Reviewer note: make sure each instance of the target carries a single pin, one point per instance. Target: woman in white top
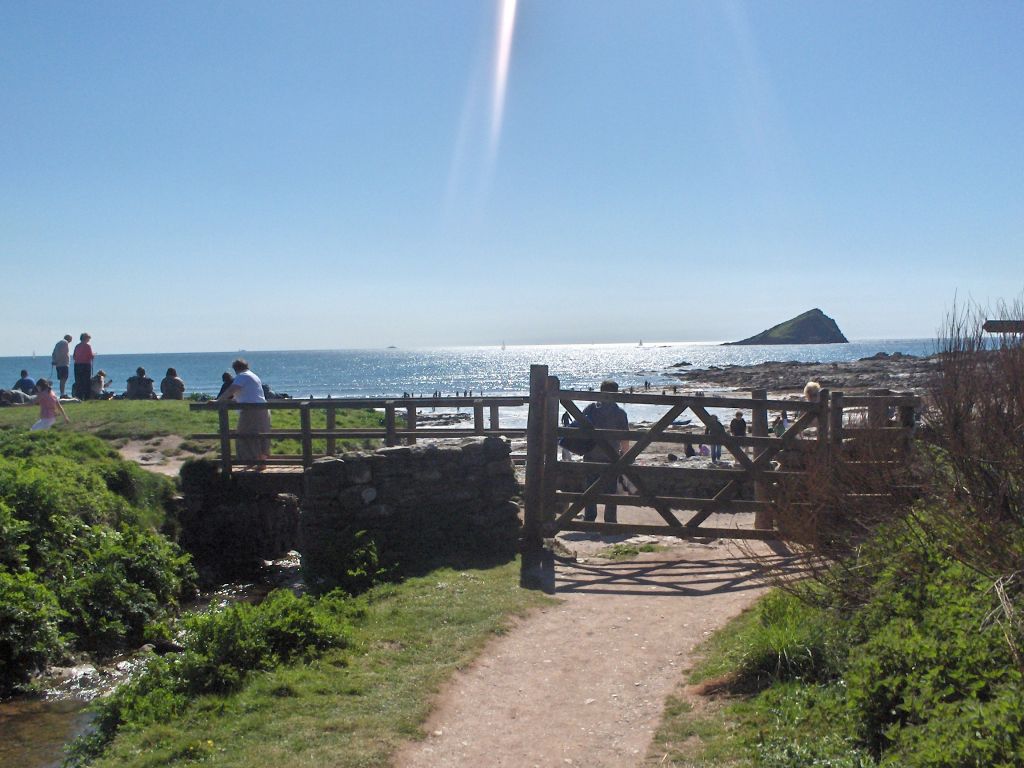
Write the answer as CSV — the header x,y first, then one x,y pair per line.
x,y
247,388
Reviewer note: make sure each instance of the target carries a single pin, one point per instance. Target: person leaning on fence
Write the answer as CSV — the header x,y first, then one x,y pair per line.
x,y
605,415
247,388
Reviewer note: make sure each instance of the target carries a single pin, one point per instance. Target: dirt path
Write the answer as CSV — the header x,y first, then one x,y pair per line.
x,y
584,682
157,454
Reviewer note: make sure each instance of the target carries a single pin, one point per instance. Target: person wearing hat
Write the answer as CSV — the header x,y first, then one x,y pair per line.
x,y
83,357
61,360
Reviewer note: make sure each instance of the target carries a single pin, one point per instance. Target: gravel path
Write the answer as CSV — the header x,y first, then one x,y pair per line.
x,y
584,682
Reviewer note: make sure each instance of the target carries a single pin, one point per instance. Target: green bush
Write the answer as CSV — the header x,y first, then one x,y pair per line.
x,y
29,635
82,522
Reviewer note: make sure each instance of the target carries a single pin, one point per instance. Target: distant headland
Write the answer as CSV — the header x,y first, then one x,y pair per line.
x,y
812,327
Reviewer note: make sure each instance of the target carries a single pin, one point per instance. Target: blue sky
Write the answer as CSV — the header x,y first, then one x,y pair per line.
x,y
179,176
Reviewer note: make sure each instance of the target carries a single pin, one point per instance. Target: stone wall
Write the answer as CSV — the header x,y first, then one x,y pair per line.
x,y
407,509
229,526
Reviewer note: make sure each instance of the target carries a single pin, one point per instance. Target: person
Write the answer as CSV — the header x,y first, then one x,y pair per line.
x,y
226,379
172,387
140,386
49,405
246,388
25,384
61,360
98,386
715,429
83,357
605,415
738,425
566,421
811,390
781,424
16,397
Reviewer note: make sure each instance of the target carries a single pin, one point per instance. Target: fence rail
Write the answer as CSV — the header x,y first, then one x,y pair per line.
x,y
398,423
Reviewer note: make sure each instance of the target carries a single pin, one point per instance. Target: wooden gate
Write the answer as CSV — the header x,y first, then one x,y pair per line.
x,y
558,491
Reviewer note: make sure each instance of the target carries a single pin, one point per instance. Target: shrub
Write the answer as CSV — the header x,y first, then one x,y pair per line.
x,y
29,636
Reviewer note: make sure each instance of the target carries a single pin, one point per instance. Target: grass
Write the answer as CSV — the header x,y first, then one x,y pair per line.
x,y
628,551
118,421
351,708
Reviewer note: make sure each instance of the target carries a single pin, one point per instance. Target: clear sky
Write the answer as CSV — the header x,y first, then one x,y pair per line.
x,y
179,176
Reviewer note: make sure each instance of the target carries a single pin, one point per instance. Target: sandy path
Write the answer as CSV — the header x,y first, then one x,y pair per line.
x,y
584,682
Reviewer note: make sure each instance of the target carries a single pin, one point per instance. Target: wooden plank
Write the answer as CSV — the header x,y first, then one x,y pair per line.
x,y
685,400
860,401
307,440
478,416
763,519
410,424
494,422
675,502
835,429
225,441
679,532
332,423
533,512
549,504
1003,326
362,403
390,438
577,469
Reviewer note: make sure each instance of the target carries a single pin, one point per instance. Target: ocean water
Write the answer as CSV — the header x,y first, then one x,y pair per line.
x,y
487,370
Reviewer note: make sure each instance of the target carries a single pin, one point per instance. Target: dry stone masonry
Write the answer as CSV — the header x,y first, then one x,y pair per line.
x,y
407,509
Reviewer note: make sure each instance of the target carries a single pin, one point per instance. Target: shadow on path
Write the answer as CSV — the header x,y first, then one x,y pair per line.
x,y
673,577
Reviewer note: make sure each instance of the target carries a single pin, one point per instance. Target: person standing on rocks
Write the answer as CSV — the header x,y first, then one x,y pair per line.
x,y
605,415
83,357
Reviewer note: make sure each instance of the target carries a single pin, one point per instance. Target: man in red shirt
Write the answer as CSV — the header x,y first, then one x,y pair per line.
x,y
83,357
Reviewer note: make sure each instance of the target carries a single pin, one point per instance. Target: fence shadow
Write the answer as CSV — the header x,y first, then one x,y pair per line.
x,y
677,577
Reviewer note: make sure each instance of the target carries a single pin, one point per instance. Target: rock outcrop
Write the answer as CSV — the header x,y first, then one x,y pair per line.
x,y
812,327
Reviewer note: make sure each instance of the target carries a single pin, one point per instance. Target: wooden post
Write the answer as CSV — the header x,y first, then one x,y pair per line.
x,y
823,416
332,423
494,418
389,423
410,423
876,409
225,439
836,419
532,542
478,416
307,436
764,520
550,448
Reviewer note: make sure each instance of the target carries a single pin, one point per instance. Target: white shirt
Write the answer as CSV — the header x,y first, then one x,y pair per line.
x,y
251,388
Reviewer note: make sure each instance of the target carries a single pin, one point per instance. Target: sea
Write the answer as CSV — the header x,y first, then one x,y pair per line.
x,y
483,370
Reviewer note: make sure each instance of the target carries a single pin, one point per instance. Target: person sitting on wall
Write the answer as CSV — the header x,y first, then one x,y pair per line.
x,y
25,384
98,386
172,387
140,386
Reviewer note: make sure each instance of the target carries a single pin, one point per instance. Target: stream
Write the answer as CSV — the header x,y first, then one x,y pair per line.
x,y
35,728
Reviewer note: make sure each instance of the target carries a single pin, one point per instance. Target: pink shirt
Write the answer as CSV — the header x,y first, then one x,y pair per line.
x,y
83,353
47,405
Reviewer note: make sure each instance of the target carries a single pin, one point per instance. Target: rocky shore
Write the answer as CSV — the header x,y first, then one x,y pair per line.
x,y
898,371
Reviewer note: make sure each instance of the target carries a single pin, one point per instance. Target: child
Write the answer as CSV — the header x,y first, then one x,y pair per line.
x,y
48,407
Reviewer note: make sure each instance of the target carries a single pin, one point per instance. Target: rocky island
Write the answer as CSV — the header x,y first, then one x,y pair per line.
x,y
812,327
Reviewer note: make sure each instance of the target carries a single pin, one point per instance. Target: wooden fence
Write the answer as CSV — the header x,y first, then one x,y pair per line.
x,y
398,424
557,491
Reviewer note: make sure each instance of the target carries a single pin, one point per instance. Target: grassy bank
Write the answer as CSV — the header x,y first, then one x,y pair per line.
x,y
118,421
352,706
